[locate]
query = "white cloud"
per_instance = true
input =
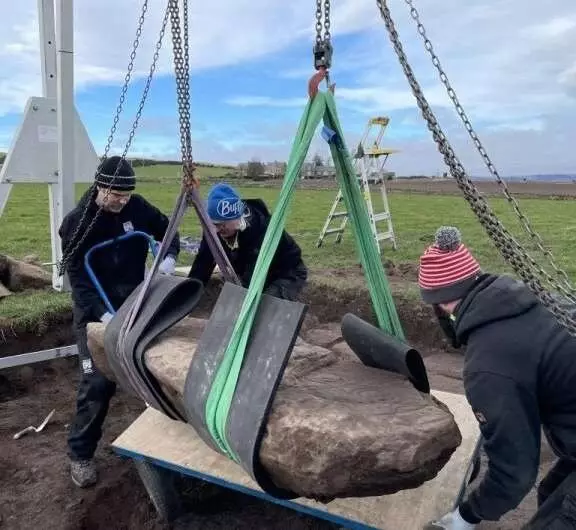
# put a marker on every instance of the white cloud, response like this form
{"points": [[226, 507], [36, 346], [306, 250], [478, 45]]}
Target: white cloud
{"points": [[222, 33], [500, 71], [511, 63]]}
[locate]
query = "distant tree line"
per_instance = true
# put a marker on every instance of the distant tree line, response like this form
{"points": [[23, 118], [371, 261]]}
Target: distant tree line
{"points": [[140, 162]]}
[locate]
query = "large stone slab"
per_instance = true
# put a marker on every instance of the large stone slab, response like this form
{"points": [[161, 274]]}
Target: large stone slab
{"points": [[336, 429]]}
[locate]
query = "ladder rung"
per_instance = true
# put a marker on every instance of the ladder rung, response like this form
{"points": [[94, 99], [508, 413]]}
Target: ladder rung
{"points": [[381, 216], [339, 214], [385, 235], [334, 231]]}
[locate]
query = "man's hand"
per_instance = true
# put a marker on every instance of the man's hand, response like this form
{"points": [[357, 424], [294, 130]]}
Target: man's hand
{"points": [[168, 266], [451, 521], [106, 317]]}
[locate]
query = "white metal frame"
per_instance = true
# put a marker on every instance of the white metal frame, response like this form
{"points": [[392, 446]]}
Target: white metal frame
{"points": [[37, 356], [51, 146], [62, 141]]}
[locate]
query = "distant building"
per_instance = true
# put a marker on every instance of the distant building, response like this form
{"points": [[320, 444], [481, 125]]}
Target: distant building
{"points": [[310, 170]]}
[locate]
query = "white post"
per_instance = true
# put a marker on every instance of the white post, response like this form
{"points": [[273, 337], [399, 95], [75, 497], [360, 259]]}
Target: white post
{"points": [[62, 194], [48, 64], [5, 190], [47, 47]]}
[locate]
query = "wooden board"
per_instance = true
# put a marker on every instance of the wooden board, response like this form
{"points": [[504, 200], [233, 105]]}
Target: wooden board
{"points": [[175, 445]]}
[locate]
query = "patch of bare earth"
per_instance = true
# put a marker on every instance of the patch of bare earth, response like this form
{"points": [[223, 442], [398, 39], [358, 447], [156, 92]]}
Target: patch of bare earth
{"points": [[36, 491]]}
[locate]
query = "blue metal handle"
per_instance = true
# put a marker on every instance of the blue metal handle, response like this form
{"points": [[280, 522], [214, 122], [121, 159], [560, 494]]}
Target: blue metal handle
{"points": [[153, 247]]}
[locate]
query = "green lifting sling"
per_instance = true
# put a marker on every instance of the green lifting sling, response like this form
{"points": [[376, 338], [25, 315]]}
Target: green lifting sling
{"points": [[222, 358]]}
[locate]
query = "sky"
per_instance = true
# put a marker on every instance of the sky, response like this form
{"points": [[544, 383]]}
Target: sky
{"points": [[511, 63]]}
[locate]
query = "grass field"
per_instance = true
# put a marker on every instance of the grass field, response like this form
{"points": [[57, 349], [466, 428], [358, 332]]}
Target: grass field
{"points": [[167, 172], [24, 228]]}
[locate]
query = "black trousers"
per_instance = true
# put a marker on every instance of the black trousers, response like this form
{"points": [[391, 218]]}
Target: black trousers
{"points": [[556, 499], [94, 394]]}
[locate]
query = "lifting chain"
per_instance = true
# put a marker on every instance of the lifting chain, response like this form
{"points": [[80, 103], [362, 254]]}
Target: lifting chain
{"points": [[512, 252], [74, 245], [189, 185], [493, 171], [323, 47], [181, 72]]}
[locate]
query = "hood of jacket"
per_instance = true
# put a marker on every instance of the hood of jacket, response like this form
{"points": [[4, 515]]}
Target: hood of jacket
{"points": [[493, 298]]}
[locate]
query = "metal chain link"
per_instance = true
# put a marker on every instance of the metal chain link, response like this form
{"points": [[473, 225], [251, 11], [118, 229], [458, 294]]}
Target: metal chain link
{"points": [[181, 71], [493, 171], [189, 170], [327, 35], [323, 47], [512, 252], [318, 22], [188, 185], [74, 245]]}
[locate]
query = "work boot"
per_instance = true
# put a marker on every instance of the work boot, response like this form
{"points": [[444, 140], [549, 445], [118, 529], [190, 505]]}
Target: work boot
{"points": [[83, 473]]}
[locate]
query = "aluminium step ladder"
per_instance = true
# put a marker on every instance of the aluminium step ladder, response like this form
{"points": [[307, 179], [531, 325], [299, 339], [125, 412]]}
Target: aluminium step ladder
{"points": [[370, 170]]}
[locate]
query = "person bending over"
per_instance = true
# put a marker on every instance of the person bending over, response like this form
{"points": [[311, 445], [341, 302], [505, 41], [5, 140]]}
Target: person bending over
{"points": [[241, 226], [519, 377]]}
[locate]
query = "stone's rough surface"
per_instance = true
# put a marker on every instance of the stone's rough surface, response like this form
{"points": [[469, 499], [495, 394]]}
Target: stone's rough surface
{"points": [[348, 430], [336, 428], [18, 275], [344, 353], [326, 336]]}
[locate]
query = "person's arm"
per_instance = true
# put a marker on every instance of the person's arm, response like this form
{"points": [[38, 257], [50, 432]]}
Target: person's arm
{"points": [[204, 263], [510, 424], [157, 224], [85, 294]]}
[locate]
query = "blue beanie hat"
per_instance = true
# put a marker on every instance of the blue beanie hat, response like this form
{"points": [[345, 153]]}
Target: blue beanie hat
{"points": [[224, 203]]}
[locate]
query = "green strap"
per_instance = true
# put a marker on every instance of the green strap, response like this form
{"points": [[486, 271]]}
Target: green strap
{"points": [[222, 391], [366, 243]]}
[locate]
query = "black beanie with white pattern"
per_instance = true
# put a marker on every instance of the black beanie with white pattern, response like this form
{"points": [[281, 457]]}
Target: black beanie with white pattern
{"points": [[122, 180]]}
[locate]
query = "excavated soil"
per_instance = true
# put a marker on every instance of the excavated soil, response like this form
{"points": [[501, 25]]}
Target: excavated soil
{"points": [[36, 491]]}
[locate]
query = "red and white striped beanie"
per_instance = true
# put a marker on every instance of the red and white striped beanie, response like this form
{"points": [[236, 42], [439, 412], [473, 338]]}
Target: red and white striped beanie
{"points": [[447, 268]]}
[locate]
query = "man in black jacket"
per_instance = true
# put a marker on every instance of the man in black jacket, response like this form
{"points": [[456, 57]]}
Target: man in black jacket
{"points": [[241, 225], [519, 378], [120, 268]]}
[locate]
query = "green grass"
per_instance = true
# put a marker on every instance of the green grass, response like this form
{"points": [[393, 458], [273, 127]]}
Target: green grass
{"points": [[169, 173], [25, 310], [24, 227]]}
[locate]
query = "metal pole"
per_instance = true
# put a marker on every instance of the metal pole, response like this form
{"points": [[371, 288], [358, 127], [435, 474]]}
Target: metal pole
{"points": [[48, 64], [62, 196], [47, 47]]}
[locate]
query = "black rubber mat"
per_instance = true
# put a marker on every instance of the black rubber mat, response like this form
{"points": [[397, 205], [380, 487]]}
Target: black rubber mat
{"points": [[377, 349], [274, 333], [169, 300]]}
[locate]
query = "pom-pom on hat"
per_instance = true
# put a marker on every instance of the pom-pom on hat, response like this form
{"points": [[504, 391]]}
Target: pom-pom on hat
{"points": [[447, 268], [122, 180], [224, 203]]}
